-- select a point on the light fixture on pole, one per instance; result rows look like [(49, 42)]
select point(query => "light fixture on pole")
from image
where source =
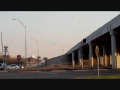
[(25, 43), (37, 49)]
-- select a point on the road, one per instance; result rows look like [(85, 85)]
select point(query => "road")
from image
[(58, 74)]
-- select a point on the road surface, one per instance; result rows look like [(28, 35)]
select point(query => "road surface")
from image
[(58, 74)]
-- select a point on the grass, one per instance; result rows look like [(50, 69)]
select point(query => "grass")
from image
[(52, 68), (37, 69), (100, 77)]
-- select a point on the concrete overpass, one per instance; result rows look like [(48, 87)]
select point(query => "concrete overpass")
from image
[(107, 38)]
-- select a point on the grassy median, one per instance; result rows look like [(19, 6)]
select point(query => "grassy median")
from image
[(100, 77), (49, 68)]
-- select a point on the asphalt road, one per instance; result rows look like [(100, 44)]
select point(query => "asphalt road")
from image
[(59, 74)]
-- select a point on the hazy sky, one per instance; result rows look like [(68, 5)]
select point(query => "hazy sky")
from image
[(55, 31)]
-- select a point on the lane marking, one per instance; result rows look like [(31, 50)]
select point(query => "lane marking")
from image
[(52, 73), (49, 72)]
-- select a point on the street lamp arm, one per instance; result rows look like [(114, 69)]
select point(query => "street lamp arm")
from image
[(34, 40), (20, 22)]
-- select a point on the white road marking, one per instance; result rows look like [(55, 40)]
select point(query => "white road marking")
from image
[(53, 73), (49, 72)]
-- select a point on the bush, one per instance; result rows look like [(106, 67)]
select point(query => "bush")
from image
[(11, 60)]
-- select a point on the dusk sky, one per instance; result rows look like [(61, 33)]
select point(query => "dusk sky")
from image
[(55, 31)]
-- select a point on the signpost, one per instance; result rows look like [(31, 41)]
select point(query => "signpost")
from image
[(97, 54), (19, 58), (5, 56)]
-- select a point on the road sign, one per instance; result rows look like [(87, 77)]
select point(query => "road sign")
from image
[(29, 59), (18, 57), (38, 57), (97, 50)]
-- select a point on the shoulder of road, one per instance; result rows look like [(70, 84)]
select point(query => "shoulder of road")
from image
[(58, 70)]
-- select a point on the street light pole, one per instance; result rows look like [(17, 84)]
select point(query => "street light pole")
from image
[(2, 46), (37, 46), (25, 43), (37, 49)]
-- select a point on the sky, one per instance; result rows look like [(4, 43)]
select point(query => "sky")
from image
[(54, 33)]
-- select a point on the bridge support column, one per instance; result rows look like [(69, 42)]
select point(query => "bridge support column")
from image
[(73, 61), (90, 54), (104, 56), (101, 60), (113, 48), (79, 57), (110, 59)]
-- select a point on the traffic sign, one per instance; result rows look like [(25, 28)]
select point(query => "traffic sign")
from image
[(29, 59), (38, 57), (18, 57), (97, 50)]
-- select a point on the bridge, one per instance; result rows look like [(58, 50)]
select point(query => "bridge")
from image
[(107, 38)]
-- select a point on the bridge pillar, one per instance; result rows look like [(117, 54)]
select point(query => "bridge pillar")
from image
[(73, 61), (79, 56), (90, 54), (101, 60), (113, 48), (110, 59), (104, 56)]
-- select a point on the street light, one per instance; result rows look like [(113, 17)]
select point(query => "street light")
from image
[(25, 42), (37, 49), (37, 46), (2, 46)]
